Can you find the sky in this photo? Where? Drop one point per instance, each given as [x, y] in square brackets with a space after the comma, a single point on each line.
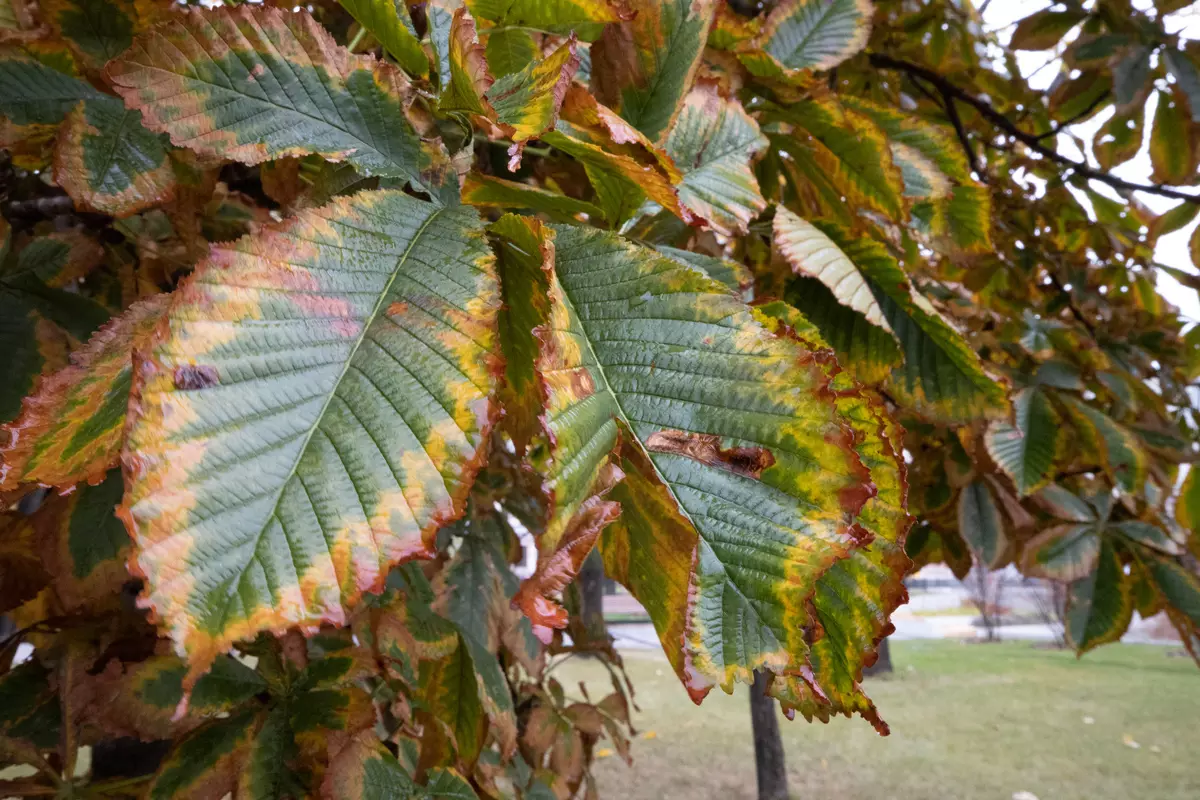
[1000, 16]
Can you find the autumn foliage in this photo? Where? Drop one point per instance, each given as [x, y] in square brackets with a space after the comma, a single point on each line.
[336, 339]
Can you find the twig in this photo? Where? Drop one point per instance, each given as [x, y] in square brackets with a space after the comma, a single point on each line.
[1028, 139]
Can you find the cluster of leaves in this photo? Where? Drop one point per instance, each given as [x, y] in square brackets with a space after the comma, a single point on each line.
[312, 315]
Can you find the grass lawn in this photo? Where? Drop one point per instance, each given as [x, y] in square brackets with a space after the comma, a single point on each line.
[968, 721]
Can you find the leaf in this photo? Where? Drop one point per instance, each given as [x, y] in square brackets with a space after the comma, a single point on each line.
[365, 770]
[712, 143]
[1172, 159]
[31, 344]
[468, 80]
[869, 351]
[644, 67]
[1125, 457]
[525, 251]
[812, 34]
[29, 707]
[21, 568]
[84, 545]
[32, 93]
[856, 597]
[585, 18]
[1026, 448]
[733, 274]
[1119, 140]
[622, 164]
[70, 429]
[941, 377]
[980, 524]
[527, 103]
[253, 85]
[314, 409]
[1043, 30]
[140, 700]
[509, 50]
[848, 150]
[97, 30]
[207, 761]
[1187, 77]
[1187, 505]
[738, 492]
[1062, 553]
[1099, 606]
[1130, 78]
[57, 260]
[486, 191]
[389, 22]
[1149, 535]
[1180, 586]
[1065, 505]
[810, 252]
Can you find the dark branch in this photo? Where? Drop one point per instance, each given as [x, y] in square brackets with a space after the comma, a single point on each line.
[1030, 140]
[1081, 115]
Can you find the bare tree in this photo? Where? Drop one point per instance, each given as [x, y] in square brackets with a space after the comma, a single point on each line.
[987, 591]
[768, 745]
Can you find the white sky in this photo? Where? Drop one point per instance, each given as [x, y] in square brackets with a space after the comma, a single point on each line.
[1172, 249]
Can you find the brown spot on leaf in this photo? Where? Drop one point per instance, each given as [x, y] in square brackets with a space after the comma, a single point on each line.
[200, 376]
[706, 448]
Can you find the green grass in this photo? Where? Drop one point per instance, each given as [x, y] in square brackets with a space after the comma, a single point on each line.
[968, 721]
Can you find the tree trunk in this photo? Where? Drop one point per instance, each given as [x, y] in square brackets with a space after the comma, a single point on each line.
[591, 597]
[883, 664]
[768, 746]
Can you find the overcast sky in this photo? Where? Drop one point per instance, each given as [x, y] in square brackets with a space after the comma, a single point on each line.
[1173, 248]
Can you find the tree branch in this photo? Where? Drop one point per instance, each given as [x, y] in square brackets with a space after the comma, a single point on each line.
[1030, 140]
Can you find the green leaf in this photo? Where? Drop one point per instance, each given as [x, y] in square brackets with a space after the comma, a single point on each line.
[1025, 449]
[1119, 140]
[712, 143]
[84, 545]
[1171, 159]
[980, 524]
[314, 409]
[1062, 553]
[389, 22]
[740, 477]
[253, 85]
[941, 377]
[869, 351]
[1187, 77]
[32, 345]
[70, 429]
[486, 191]
[847, 150]
[98, 30]
[365, 770]
[643, 68]
[33, 94]
[734, 274]
[525, 252]
[109, 163]
[1149, 535]
[624, 167]
[468, 78]
[29, 707]
[509, 50]
[812, 34]
[1065, 505]
[206, 762]
[585, 18]
[1180, 586]
[1100, 605]
[856, 597]
[1187, 505]
[527, 102]
[1043, 30]
[1125, 457]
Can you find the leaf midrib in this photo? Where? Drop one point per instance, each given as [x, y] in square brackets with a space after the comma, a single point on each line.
[303, 449]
